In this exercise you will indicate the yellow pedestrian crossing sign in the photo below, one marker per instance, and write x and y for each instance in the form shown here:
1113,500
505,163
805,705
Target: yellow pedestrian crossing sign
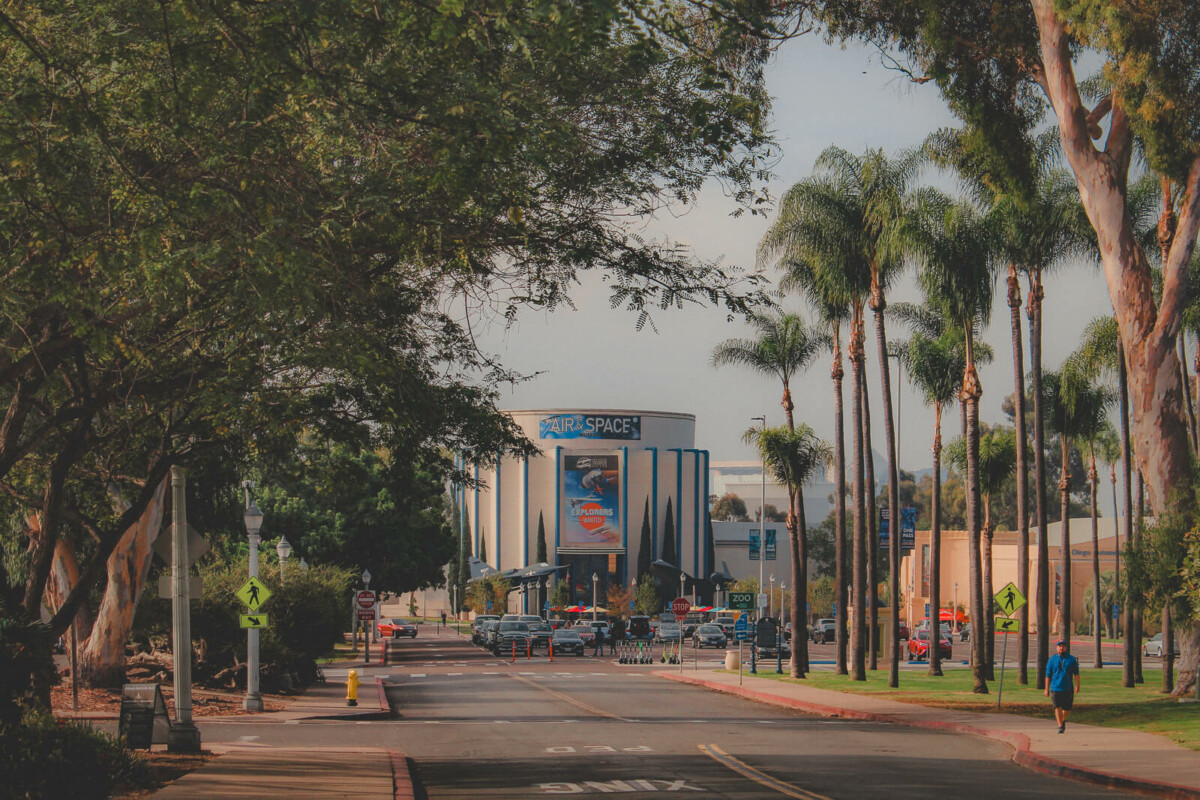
253,594
255,621
1008,625
1009,599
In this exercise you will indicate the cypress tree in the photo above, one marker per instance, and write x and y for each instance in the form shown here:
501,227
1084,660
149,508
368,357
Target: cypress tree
541,539
483,545
645,554
668,547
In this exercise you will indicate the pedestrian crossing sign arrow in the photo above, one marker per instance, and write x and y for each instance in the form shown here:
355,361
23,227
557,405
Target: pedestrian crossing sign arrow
1009,599
255,621
1008,625
253,594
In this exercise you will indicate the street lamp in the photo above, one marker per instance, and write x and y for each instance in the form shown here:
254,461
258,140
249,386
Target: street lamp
783,606
595,583
366,579
632,594
303,566
253,519
762,515
771,599
284,550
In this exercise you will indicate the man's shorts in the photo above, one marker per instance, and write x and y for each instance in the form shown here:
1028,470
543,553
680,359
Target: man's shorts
1063,700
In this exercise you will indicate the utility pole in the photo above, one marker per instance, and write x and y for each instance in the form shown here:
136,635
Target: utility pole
184,736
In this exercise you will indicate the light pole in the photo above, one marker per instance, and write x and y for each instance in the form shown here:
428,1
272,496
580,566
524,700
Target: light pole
595,583
303,567
183,736
771,599
783,605
284,550
762,516
368,633
632,595
956,626
253,519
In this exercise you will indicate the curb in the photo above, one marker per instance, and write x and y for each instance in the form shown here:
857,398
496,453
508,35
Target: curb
1023,755
384,704
402,785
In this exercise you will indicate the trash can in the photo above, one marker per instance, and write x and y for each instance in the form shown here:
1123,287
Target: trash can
731,660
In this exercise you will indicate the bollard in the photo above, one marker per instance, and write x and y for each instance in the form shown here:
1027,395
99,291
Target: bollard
551,646
514,658
352,688
528,649
384,660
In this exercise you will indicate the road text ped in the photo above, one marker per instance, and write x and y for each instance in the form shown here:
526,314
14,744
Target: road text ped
608,787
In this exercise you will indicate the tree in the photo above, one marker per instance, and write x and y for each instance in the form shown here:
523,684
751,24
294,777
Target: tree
793,457
542,558
730,508
954,246
482,556
998,67
668,543
647,601
645,544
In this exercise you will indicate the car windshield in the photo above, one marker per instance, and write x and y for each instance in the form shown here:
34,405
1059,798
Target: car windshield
710,629
584,628
566,633
923,635
514,626
539,627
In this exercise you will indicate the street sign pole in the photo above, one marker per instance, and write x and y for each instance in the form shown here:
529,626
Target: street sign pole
1003,661
184,736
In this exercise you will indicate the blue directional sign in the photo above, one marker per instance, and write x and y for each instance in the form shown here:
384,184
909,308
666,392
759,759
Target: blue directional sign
741,629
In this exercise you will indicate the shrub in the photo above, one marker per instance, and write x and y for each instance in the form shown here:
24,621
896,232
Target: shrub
41,759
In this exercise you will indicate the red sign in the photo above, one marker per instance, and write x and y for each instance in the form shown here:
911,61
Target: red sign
680,608
591,516
365,600
366,613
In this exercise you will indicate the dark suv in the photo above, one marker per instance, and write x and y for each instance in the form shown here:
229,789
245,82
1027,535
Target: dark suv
510,633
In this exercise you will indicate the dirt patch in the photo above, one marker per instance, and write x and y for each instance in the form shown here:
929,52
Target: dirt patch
159,769
205,702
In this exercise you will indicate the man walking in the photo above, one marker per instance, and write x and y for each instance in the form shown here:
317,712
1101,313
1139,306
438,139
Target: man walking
616,633
599,651
1059,686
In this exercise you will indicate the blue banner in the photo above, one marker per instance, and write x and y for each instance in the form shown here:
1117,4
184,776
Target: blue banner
770,554
908,528
754,545
590,426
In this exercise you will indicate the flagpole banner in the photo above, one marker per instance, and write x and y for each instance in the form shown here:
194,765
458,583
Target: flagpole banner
592,501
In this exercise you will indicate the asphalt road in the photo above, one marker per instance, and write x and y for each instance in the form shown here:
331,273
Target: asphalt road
475,726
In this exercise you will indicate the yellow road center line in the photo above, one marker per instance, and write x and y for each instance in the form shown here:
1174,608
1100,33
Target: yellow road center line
566,698
742,768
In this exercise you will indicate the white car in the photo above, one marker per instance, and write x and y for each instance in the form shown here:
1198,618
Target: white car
1154,646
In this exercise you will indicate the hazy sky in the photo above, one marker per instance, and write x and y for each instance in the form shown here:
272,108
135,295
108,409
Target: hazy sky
593,357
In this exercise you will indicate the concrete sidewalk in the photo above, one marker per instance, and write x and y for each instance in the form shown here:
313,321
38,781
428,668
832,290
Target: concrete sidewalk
1112,757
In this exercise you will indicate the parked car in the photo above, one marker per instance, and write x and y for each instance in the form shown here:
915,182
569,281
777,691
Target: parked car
530,618
709,635
511,633
964,633
1154,647
904,633
586,632
540,632
668,632
918,646
477,623
638,628
395,628
825,630
567,640
489,633
726,624
601,627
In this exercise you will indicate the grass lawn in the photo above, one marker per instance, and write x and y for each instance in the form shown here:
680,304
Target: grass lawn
1102,699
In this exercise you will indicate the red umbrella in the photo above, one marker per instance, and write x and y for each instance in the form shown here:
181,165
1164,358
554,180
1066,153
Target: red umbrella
947,614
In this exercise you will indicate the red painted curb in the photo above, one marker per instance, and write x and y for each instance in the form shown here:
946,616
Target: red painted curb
1023,755
402,787
384,705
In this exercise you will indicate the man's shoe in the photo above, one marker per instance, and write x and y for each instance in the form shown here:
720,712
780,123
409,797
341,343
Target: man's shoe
1062,728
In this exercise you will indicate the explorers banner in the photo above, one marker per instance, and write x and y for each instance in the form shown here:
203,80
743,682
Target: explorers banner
592,502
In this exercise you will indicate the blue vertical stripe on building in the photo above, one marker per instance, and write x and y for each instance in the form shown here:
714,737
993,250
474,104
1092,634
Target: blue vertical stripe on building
709,568
678,505
696,515
475,492
525,512
653,503
496,509
557,501
625,500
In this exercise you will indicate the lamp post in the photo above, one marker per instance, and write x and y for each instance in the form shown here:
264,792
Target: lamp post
303,567
595,583
253,519
957,627
771,599
632,595
284,550
762,515
783,606
183,736
368,632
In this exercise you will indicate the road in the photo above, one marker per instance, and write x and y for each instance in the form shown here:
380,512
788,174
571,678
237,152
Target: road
475,726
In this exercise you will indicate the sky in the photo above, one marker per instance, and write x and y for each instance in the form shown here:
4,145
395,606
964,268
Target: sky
593,356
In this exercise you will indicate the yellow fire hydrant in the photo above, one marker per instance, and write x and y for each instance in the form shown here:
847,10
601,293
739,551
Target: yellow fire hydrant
352,688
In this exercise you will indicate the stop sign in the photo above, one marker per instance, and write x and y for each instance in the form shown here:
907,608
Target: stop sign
680,608
365,600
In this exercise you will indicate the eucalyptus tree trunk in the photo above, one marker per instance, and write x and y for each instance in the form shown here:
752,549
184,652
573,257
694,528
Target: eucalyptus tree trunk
1092,481
839,506
935,545
1128,662
1064,552
1140,514
872,536
971,392
1033,311
1022,477
1168,653
858,632
878,304
1187,390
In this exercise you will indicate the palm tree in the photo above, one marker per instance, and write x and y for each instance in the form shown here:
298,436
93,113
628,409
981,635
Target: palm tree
1095,431
933,365
954,245
1074,406
793,456
1108,598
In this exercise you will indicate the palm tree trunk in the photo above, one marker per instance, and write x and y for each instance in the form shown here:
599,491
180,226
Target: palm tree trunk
989,590
1116,620
889,427
839,505
1014,306
1033,312
935,544
1131,643
1096,599
971,394
872,537
1168,653
1064,552
859,629
799,660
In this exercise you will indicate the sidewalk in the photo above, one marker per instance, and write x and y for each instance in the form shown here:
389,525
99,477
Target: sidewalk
259,771
1112,757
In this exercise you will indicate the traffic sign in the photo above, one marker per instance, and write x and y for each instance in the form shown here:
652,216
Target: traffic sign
741,601
365,600
366,613
762,599
1008,625
680,608
254,621
741,629
1010,599
253,594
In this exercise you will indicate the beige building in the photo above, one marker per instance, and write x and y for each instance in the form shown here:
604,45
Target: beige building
955,569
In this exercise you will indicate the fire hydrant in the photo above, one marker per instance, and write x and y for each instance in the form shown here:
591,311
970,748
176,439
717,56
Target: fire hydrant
352,688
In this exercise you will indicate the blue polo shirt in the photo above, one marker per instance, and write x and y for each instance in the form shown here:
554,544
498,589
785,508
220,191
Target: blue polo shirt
1059,670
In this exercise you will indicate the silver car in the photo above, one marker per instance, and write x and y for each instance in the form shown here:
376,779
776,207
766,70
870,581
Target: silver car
1154,646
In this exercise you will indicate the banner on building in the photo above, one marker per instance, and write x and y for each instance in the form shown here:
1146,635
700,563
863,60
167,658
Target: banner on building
590,426
770,548
754,545
591,502
908,528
